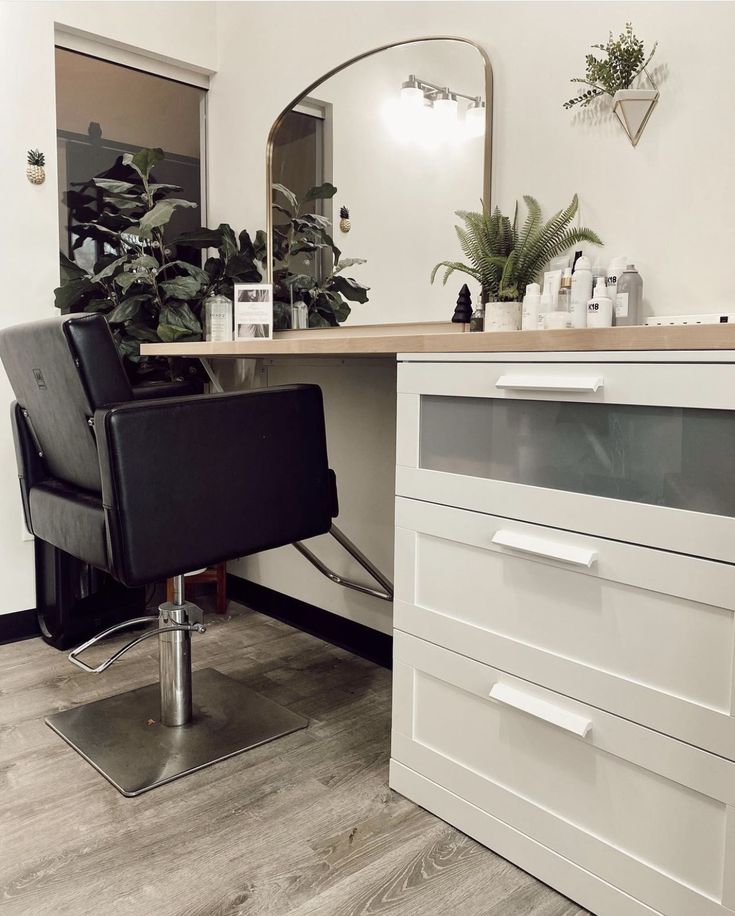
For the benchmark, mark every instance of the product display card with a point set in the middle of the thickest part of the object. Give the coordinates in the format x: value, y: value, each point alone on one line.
x: 253, y: 311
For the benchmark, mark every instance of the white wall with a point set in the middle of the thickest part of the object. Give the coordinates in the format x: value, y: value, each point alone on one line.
x: 667, y: 203
x: 29, y: 240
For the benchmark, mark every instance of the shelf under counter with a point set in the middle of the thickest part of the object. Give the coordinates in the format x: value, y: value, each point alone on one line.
x: 440, y: 337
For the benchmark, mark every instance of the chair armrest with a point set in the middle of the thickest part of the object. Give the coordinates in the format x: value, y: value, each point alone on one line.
x: 31, y: 466
x: 149, y: 390
x: 188, y: 482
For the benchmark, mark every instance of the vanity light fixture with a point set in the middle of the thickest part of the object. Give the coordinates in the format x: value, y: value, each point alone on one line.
x: 442, y: 104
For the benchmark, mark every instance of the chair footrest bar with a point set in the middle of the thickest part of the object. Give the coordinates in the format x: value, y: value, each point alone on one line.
x: 385, y: 593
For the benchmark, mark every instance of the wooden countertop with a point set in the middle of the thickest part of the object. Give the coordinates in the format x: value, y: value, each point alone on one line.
x: 387, y: 340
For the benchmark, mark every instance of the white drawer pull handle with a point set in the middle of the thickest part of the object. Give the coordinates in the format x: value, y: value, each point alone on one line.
x: 551, y: 382
x: 540, y: 547
x: 569, y: 721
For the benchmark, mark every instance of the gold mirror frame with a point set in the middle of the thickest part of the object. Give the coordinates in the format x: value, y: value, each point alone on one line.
x: 488, y: 157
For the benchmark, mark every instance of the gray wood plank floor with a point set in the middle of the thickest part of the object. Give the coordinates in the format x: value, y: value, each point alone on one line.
x: 303, y: 826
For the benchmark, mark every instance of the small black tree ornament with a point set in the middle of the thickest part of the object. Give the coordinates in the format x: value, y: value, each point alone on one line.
x: 463, y: 312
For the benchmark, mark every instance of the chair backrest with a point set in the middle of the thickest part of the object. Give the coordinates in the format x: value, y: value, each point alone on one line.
x: 61, y: 371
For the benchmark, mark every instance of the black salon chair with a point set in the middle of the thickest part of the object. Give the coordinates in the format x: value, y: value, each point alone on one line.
x: 147, y: 489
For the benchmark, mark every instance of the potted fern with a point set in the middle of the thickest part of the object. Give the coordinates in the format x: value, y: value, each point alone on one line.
x: 504, y: 257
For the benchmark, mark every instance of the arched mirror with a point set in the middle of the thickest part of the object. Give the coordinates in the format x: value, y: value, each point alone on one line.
x: 366, y: 168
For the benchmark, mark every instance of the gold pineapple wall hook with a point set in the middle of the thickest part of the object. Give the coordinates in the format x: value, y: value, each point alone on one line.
x: 35, y: 171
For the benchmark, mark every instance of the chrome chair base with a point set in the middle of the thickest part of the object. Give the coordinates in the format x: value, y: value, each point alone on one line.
x: 124, y: 740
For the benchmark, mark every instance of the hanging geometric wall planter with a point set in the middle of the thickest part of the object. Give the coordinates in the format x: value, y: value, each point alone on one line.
x: 633, y: 108
x: 625, y: 64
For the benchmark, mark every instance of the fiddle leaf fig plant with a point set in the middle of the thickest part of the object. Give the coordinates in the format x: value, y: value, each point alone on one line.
x: 146, y: 292
x: 625, y: 60
x: 503, y: 256
x: 298, y: 244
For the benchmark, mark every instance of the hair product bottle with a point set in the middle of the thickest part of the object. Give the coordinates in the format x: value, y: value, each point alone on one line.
x: 546, y: 305
x: 613, y: 273
x: 560, y: 317
x: 629, y: 297
x: 581, y: 292
x: 531, y: 303
x: 600, y: 307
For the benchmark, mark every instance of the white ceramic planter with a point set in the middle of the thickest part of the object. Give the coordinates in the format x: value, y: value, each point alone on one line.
x: 503, y: 316
x: 633, y: 108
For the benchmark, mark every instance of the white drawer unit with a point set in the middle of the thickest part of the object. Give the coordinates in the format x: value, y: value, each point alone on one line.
x: 646, y: 634
x: 646, y: 814
x: 564, y: 685
x: 635, y: 452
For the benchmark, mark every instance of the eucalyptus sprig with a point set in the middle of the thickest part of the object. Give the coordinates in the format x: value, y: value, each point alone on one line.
x: 625, y: 61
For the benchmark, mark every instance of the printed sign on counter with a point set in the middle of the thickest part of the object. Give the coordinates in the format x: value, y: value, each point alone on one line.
x: 253, y: 311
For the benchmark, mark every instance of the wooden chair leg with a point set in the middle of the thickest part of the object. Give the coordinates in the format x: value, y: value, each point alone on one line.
x: 221, y: 588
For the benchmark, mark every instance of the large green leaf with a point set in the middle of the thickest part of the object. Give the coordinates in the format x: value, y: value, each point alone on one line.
x: 334, y: 303
x: 143, y: 161
x: 159, y: 215
x: 260, y: 245
x: 111, y: 269
x: 180, y: 288
x: 201, y: 238
x: 128, y: 278
x: 142, y: 332
x: 98, y: 305
x: 180, y: 316
x: 157, y: 187
x: 246, y: 244
x: 117, y: 187
x: 279, y: 209
x: 349, y: 262
x: 242, y: 267
x: 317, y: 320
x: 129, y: 349
x: 349, y: 288
x: 70, y: 270
x: 191, y: 269
x: 170, y: 333
x: 327, y: 238
x: 321, y: 192
x: 290, y: 197
x: 127, y: 310
x: 145, y: 261
x: 214, y: 268
x: 70, y: 293
x: 228, y: 248
x: 299, y: 281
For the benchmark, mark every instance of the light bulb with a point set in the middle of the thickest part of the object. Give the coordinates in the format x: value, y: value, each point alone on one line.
x: 446, y: 109
x: 475, y: 119
x: 412, y: 95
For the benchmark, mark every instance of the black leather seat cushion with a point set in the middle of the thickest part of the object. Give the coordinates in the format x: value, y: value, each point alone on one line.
x: 72, y: 520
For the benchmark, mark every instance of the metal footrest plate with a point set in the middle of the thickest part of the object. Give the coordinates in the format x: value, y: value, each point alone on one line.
x: 116, y: 736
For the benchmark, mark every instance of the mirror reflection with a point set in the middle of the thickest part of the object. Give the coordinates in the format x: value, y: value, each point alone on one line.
x: 367, y: 169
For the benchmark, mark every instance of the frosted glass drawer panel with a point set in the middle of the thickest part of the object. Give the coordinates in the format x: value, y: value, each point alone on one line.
x: 681, y: 458
x: 639, y: 809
